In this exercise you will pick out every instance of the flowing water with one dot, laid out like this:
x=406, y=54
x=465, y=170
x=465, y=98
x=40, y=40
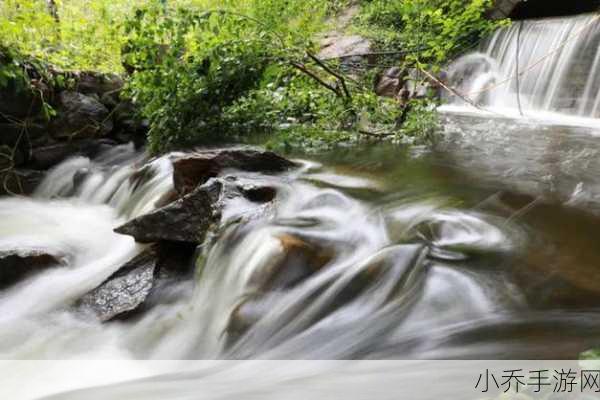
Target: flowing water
x=545, y=70
x=483, y=247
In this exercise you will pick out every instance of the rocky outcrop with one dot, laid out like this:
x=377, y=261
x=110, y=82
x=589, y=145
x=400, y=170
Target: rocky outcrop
x=80, y=116
x=185, y=220
x=136, y=286
x=125, y=290
x=194, y=169
x=17, y=264
x=43, y=123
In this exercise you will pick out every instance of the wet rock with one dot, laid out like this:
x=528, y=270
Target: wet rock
x=126, y=290
x=185, y=220
x=45, y=157
x=99, y=84
x=191, y=170
x=297, y=261
x=129, y=126
x=80, y=116
x=15, y=265
x=247, y=313
x=259, y=194
x=390, y=83
x=19, y=181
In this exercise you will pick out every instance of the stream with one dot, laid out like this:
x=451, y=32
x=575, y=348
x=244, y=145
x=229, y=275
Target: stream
x=484, y=247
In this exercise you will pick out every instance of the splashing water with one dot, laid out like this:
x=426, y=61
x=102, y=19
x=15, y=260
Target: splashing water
x=557, y=74
x=392, y=264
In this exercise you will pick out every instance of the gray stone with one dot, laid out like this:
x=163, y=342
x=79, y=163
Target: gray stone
x=124, y=291
x=194, y=169
x=80, y=116
x=184, y=220
x=344, y=47
x=17, y=264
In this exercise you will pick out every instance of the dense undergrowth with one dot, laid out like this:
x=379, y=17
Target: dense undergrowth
x=206, y=70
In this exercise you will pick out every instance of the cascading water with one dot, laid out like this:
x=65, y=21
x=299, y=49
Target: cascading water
x=395, y=260
x=554, y=78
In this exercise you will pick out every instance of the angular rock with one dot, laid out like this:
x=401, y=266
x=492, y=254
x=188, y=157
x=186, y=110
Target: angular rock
x=18, y=264
x=126, y=290
x=192, y=170
x=80, y=116
x=185, y=220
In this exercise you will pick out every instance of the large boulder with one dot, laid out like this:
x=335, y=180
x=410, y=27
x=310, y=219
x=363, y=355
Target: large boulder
x=125, y=290
x=17, y=264
x=80, y=116
x=194, y=169
x=185, y=220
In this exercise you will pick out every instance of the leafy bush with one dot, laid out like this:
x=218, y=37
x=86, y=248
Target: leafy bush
x=86, y=35
x=201, y=74
x=429, y=31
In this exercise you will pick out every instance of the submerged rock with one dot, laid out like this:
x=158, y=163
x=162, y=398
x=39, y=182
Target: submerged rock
x=80, y=116
x=194, y=169
x=125, y=290
x=17, y=264
x=297, y=260
x=185, y=220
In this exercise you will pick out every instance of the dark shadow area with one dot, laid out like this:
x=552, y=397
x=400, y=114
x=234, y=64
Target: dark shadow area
x=553, y=8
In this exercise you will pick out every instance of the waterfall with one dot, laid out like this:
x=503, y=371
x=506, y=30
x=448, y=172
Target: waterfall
x=557, y=73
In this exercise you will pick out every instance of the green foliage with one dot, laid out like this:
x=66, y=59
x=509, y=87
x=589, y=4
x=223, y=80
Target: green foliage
x=199, y=73
x=430, y=31
x=87, y=35
x=593, y=354
x=202, y=70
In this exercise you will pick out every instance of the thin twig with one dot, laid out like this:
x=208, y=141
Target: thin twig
x=332, y=72
x=308, y=72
